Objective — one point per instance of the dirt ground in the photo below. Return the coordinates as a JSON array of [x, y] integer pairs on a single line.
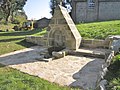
[[76, 71]]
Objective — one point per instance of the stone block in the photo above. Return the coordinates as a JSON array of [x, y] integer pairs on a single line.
[[58, 54], [87, 41], [52, 21], [61, 21]]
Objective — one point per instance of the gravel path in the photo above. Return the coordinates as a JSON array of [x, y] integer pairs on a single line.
[[70, 70]]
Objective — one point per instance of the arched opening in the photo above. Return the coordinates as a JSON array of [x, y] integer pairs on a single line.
[[57, 41], [57, 38]]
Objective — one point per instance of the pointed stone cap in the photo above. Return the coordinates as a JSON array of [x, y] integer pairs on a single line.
[[63, 24], [70, 22]]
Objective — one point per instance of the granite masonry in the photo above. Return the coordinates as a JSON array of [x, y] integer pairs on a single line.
[[62, 32], [95, 10]]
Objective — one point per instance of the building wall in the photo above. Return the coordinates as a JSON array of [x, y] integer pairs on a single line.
[[102, 10], [81, 11], [42, 23], [109, 10]]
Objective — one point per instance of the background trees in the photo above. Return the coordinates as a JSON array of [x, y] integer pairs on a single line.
[[9, 7], [53, 4], [65, 3]]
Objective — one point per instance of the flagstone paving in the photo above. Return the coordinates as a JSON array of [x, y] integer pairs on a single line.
[[71, 70]]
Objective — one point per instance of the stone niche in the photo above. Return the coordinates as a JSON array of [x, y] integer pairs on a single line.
[[62, 30]]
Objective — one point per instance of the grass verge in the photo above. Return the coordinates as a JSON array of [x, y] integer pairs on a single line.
[[12, 41], [11, 79], [99, 30], [113, 75]]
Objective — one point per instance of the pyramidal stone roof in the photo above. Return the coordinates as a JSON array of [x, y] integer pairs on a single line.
[[70, 22], [63, 24]]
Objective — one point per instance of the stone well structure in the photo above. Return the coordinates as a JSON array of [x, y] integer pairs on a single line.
[[62, 30]]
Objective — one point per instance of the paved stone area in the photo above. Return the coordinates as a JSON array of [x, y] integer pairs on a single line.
[[71, 70]]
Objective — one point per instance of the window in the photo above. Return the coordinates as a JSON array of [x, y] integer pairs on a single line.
[[91, 3]]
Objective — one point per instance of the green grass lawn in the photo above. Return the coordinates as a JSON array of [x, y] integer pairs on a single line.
[[113, 76], [12, 41], [11, 79], [99, 30]]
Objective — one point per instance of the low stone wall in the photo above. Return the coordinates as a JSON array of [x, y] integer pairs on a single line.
[[37, 40], [101, 82], [93, 43], [90, 43]]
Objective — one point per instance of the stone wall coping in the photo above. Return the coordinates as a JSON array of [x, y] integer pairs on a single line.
[[93, 39]]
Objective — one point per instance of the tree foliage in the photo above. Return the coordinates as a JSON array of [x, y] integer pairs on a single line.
[[8, 7], [54, 3]]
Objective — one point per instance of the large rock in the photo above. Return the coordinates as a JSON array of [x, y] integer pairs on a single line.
[[115, 43]]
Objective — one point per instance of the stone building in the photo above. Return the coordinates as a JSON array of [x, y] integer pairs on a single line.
[[95, 10], [42, 23]]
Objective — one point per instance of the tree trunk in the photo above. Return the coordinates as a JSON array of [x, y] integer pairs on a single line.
[[12, 17], [7, 18]]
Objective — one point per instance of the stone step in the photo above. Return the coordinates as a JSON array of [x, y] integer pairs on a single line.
[[96, 53]]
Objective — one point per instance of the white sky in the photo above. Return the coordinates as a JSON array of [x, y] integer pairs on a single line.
[[36, 9]]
